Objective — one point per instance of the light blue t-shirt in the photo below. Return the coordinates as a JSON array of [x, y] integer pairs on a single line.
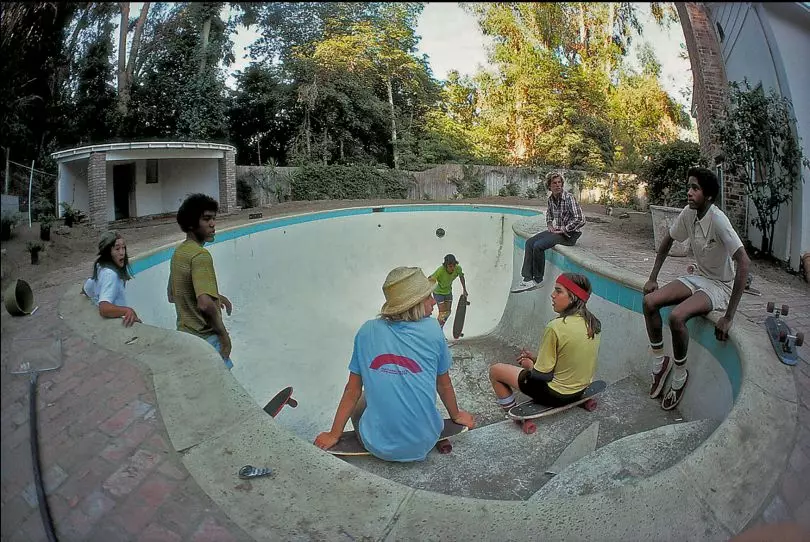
[[108, 287], [399, 363]]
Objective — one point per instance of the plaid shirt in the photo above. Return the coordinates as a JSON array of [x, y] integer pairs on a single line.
[[566, 212]]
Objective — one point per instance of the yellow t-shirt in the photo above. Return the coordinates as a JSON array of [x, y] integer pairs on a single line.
[[569, 353], [191, 275]]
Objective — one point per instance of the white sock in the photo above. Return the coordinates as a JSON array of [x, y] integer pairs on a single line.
[[679, 374], [507, 402], [658, 354]]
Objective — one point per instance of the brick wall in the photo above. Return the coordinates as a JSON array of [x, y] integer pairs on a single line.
[[227, 183], [710, 91], [97, 189]]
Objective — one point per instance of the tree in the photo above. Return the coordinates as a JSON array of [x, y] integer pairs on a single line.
[[126, 65], [384, 51], [759, 148], [665, 171]]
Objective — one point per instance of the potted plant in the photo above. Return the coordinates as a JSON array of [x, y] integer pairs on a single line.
[[761, 151], [34, 247], [665, 174], [45, 223], [69, 213], [7, 222]]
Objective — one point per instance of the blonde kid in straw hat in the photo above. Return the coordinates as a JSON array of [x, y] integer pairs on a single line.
[[400, 361]]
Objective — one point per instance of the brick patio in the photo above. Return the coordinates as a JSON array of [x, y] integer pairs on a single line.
[[111, 475]]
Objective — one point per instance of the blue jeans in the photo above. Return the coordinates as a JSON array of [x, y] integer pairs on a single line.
[[534, 256], [213, 340]]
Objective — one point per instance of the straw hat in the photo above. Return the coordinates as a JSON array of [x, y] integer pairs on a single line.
[[405, 287]]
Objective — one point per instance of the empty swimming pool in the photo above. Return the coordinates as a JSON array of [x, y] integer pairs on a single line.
[[302, 286], [648, 477]]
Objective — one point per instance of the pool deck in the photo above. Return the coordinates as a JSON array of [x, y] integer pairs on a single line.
[[112, 420]]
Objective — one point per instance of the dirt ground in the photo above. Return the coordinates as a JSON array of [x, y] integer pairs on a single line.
[[71, 250]]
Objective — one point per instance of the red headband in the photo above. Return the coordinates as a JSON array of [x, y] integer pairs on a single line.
[[572, 287]]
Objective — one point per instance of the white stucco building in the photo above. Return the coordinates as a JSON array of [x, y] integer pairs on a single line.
[[125, 180], [769, 43]]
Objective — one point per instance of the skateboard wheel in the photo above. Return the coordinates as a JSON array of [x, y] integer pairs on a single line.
[[782, 336], [529, 428], [785, 309], [589, 405], [770, 306], [799, 338], [292, 402], [444, 447]]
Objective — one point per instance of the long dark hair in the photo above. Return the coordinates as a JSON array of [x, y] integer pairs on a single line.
[[577, 306], [105, 260]]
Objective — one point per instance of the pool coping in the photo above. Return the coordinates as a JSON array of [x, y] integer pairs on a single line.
[[217, 427]]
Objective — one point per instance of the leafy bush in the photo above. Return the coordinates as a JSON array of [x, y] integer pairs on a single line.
[[509, 189], [531, 193], [7, 223], [760, 150], [471, 184], [316, 182], [71, 214], [245, 198], [665, 172]]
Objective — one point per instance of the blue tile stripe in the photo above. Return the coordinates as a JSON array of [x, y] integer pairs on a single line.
[[700, 330]]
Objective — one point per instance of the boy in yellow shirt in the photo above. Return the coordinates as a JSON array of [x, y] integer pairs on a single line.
[[566, 362], [443, 293]]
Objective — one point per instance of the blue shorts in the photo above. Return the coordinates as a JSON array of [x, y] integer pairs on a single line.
[[443, 297], [213, 340]]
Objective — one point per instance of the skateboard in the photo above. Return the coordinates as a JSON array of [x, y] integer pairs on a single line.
[[523, 413], [461, 312], [784, 343], [284, 397], [349, 445], [518, 291]]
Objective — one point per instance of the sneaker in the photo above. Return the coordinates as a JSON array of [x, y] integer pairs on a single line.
[[525, 286], [672, 397], [658, 379]]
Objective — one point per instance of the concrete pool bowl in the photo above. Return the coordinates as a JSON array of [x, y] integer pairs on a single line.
[[301, 286]]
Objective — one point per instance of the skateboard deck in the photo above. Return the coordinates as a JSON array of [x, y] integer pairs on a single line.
[[783, 341], [284, 397], [461, 312], [529, 289], [349, 445], [527, 411]]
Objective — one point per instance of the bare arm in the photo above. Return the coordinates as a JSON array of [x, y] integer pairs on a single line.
[[448, 396], [169, 291], [108, 310], [351, 394], [463, 284], [741, 259], [660, 256], [663, 251], [209, 308], [722, 326]]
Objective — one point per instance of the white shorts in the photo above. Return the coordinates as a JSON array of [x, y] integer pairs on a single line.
[[719, 292]]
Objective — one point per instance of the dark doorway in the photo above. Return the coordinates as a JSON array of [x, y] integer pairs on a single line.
[[123, 185]]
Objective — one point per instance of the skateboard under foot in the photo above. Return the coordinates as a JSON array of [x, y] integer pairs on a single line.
[[350, 445], [524, 413]]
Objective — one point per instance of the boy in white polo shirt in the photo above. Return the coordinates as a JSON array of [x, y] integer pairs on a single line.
[[716, 284]]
